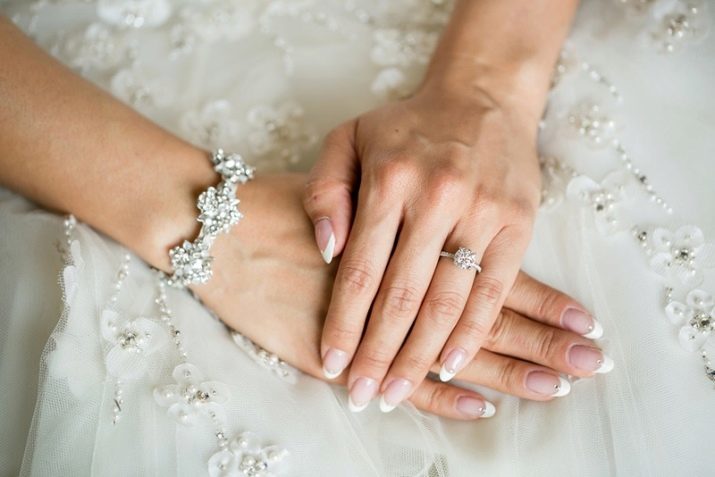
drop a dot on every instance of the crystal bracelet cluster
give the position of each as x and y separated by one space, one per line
218 206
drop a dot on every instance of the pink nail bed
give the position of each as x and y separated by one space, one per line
471 406
585 358
362 392
334 362
577 320
547 384
396 392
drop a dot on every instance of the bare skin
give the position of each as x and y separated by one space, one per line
454 165
72 148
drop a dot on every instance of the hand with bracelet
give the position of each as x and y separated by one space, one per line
72 148
450 172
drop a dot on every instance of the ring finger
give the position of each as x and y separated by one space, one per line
440 311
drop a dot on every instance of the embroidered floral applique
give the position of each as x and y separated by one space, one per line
191 396
243 456
602 198
680 256
132 342
280 130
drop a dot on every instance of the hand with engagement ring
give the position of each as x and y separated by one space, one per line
451 171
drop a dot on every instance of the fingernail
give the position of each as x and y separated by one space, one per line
453 364
590 359
395 393
547 384
361 393
325 238
334 362
475 407
580 322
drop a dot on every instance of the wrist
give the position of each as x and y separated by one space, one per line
519 86
165 215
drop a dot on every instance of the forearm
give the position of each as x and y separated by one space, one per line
71 147
505 49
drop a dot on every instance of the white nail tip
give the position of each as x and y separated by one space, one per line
327 252
606 366
385 406
564 388
489 410
445 375
596 332
330 375
355 408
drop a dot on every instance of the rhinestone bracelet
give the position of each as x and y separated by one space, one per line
218 206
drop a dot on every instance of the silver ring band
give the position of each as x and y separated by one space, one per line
463 258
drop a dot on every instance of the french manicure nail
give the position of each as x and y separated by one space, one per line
396 392
596 332
475 407
578 321
334 362
325 238
361 393
591 359
547 384
453 364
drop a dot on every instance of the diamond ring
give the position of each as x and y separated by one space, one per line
463 258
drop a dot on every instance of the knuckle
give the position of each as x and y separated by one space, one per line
341 333
436 397
315 189
488 289
500 330
446 184
508 372
523 209
444 306
400 300
474 330
545 342
356 276
418 363
374 359
395 169
549 303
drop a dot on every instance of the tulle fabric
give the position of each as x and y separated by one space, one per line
651 416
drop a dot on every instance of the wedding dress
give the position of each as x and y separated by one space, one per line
626 227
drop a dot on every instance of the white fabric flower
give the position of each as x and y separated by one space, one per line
93 47
132 342
592 124
389 83
603 199
696 317
70 274
244 457
212 126
280 130
681 256
134 13
135 87
191 396
219 20
394 47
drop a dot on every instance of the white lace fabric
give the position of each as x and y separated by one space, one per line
268 78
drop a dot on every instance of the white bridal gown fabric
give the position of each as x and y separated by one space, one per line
632 97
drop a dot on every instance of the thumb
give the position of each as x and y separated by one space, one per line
328 196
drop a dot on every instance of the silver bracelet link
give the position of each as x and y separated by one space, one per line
218 207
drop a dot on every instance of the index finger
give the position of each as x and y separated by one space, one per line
356 283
